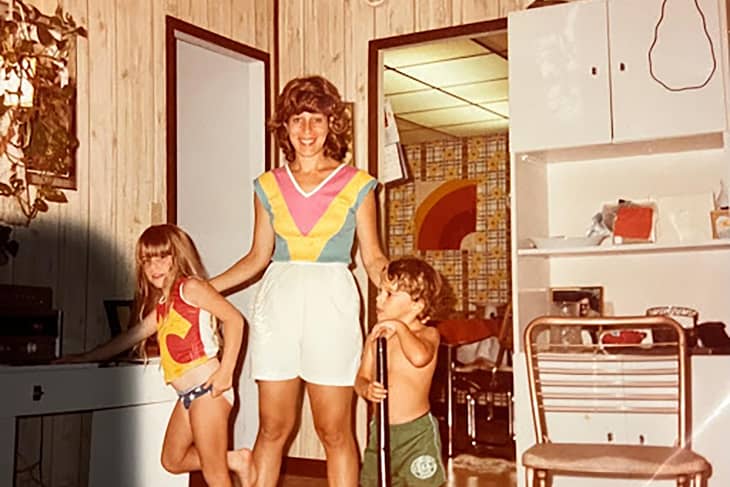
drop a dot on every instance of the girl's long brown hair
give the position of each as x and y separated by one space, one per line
161 241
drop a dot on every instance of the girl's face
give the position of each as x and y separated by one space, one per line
158 271
308 133
394 304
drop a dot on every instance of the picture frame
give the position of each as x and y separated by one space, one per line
577 301
720 220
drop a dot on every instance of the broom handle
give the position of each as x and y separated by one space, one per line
381 375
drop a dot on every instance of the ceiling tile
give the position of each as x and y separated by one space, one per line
422 100
476 128
481 92
430 52
460 71
501 107
397 83
448 116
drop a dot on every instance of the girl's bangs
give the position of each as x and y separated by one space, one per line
154 247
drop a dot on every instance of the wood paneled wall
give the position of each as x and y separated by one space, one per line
330 38
84 248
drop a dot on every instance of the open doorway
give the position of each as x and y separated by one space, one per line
217 107
448 93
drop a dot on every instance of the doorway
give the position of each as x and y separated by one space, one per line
447 92
217 107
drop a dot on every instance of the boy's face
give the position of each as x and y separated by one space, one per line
392 304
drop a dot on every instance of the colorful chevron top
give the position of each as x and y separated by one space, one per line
318 226
185 334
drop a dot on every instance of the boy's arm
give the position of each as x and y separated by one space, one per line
419 348
365 386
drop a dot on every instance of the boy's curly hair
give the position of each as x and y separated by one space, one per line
313 94
421 281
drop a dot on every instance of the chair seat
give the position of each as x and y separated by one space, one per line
457 332
614 459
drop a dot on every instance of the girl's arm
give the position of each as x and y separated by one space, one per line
257 257
124 341
201 294
419 348
373 258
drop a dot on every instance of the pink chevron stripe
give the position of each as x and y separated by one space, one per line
306 211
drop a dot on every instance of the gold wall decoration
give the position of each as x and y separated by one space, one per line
37 107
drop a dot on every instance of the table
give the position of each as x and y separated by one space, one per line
130 406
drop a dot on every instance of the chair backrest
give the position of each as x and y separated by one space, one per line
617 373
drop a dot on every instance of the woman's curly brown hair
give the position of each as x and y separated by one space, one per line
313 94
421 281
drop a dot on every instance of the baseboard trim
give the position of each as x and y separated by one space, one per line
304 467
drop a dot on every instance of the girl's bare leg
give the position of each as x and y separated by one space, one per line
332 414
278 402
181 454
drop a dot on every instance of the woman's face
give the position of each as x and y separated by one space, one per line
308 133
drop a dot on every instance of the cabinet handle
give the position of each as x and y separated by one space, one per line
609 436
594 70
641 439
621 67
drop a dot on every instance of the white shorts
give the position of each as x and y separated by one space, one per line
306 323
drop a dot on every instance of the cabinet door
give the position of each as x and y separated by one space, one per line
682 57
558 75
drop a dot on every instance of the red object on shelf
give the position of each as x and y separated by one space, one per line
634 222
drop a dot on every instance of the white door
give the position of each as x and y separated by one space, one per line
681 57
558 75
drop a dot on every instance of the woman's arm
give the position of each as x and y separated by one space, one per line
373 258
256 259
124 341
201 294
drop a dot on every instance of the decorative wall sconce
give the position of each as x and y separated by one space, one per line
37 108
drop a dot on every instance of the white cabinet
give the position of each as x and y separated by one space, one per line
580 73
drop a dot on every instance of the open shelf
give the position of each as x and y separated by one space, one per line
642 248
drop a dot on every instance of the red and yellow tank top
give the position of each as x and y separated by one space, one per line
185 333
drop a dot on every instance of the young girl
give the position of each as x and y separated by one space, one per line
173 300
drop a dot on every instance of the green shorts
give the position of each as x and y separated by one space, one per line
415 454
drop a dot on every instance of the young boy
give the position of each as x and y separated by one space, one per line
409 290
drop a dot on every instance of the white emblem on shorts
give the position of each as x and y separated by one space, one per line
424 467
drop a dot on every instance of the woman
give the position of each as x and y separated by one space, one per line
305 327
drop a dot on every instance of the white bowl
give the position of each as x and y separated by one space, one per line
562 242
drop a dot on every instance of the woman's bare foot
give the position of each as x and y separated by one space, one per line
241 463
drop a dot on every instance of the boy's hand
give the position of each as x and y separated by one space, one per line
221 380
386 329
375 392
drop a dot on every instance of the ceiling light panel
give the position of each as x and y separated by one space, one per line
481 92
450 116
460 71
422 100
476 128
430 52
397 83
501 107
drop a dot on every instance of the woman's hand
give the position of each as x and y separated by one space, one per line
221 380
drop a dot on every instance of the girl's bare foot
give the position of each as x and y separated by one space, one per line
241 463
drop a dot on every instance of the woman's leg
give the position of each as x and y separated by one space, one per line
278 401
332 414
180 451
